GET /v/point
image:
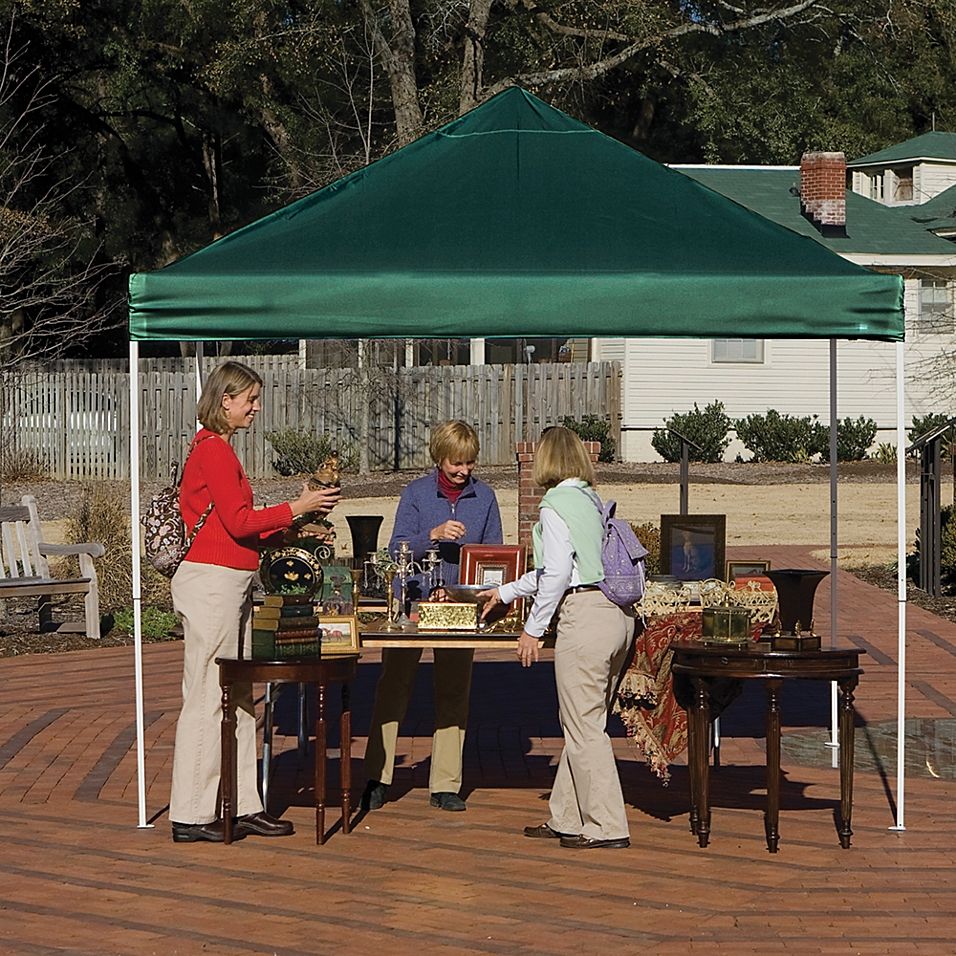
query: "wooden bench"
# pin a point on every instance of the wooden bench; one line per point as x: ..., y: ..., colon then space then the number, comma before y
x: 25, y: 571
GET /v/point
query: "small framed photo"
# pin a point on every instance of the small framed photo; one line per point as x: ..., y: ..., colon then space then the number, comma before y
x: 692, y: 546
x: 746, y: 569
x: 491, y: 564
x: 340, y: 634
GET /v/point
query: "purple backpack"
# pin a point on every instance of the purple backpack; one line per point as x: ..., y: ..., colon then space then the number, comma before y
x: 623, y: 558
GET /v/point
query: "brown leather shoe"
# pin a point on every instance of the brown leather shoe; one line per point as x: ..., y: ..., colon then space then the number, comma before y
x: 262, y: 824
x: 581, y: 842
x: 198, y: 832
x: 544, y: 831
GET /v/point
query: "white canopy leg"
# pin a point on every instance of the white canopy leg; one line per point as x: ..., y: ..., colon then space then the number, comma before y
x: 834, y: 742
x: 900, y: 591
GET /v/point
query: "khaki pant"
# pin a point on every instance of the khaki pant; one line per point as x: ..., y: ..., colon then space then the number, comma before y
x: 452, y: 681
x: 215, y: 608
x: 592, y: 644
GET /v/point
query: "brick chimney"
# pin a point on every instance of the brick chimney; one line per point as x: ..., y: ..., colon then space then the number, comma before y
x: 823, y: 191
x: 529, y: 494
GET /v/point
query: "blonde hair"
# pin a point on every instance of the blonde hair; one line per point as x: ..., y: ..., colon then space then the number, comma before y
x: 456, y: 441
x: 230, y: 378
x: 561, y: 454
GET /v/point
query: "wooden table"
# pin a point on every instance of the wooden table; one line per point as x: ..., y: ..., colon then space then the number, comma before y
x: 320, y: 671
x: 411, y: 636
x: 698, y: 664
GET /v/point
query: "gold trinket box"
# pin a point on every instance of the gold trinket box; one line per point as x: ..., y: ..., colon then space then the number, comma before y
x: 725, y: 625
x: 447, y: 616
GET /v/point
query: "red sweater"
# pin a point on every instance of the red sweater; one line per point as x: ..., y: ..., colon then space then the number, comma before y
x: 232, y: 532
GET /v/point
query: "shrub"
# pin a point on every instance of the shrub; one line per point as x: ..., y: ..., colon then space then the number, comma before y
x: 707, y: 428
x: 593, y: 428
x: 22, y: 464
x: 924, y: 423
x: 155, y: 622
x: 885, y: 453
x: 103, y: 516
x: 854, y: 437
x: 776, y: 437
x: 649, y: 534
x: 299, y: 453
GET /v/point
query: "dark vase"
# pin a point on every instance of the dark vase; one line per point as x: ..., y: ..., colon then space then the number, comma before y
x: 795, y: 590
x: 364, y: 530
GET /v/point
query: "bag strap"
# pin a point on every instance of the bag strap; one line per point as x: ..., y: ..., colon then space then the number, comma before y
x: 197, y: 527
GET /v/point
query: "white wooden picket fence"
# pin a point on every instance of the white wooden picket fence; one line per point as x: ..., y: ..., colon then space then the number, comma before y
x: 77, y: 420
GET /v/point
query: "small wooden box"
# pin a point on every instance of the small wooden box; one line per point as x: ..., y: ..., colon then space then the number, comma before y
x: 447, y: 616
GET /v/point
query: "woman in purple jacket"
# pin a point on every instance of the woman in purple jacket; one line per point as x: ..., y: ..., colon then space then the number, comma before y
x: 444, y: 510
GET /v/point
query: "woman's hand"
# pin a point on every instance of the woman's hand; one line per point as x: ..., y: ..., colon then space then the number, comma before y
x: 321, y: 501
x: 447, y: 531
x: 527, y: 649
x: 491, y: 597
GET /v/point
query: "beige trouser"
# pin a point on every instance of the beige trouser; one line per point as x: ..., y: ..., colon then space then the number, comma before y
x: 452, y: 681
x: 592, y: 644
x: 215, y: 607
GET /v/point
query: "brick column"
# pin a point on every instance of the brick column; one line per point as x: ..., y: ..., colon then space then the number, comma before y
x: 530, y: 494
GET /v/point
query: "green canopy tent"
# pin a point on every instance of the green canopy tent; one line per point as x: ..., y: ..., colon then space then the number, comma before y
x: 513, y: 220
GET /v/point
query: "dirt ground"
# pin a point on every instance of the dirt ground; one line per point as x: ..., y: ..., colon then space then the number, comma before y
x: 764, y: 505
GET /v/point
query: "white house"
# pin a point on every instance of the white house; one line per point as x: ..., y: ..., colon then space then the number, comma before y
x: 883, y: 231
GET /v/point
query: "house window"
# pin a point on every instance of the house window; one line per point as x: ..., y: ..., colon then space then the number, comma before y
x: 737, y: 350
x: 903, y: 190
x: 935, y: 306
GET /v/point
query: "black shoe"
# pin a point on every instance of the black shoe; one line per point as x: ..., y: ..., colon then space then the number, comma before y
x: 374, y: 796
x: 546, y: 832
x: 581, y: 842
x: 198, y: 832
x: 448, y: 801
x: 261, y: 824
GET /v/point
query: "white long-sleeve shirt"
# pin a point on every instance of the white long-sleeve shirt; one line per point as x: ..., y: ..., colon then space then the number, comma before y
x: 548, y: 583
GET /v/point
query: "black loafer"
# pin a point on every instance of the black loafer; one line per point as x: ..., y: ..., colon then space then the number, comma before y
x: 261, y: 824
x: 374, y: 796
x: 198, y: 832
x: 581, y: 842
x: 448, y: 801
x: 545, y: 832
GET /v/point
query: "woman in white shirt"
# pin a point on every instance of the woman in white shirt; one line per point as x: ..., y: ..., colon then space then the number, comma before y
x: 593, y: 638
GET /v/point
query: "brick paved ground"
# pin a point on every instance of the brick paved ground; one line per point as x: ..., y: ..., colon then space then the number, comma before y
x: 78, y: 876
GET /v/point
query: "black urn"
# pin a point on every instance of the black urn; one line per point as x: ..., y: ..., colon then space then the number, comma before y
x: 796, y: 588
x: 364, y: 529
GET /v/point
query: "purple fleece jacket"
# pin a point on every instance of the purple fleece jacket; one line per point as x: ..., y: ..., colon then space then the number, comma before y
x: 422, y: 507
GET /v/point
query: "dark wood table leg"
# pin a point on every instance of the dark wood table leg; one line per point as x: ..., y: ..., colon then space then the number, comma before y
x: 701, y: 787
x: 692, y: 762
x: 345, y: 758
x: 847, y: 686
x: 772, y: 815
x: 227, y: 773
x: 320, y: 755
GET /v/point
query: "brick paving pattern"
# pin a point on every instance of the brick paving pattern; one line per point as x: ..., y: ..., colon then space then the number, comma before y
x: 78, y: 876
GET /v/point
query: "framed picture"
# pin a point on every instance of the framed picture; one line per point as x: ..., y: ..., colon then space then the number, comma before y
x: 340, y: 633
x: 491, y: 564
x: 337, y: 593
x: 692, y: 546
x: 746, y: 569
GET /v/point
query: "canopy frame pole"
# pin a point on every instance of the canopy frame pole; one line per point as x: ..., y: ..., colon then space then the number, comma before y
x: 900, y: 592
x: 834, y: 742
x: 136, y: 536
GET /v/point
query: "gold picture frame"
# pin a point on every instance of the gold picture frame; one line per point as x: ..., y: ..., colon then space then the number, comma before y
x: 745, y: 569
x: 340, y: 634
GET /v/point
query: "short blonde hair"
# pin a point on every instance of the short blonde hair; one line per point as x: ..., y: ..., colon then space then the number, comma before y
x: 230, y: 378
x: 456, y: 441
x: 561, y: 454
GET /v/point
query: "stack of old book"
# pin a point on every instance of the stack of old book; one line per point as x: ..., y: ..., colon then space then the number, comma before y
x: 285, y: 626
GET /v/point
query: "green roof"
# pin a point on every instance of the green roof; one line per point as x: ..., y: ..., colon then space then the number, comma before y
x: 938, y: 146
x: 514, y: 219
x: 871, y: 228
x: 936, y: 213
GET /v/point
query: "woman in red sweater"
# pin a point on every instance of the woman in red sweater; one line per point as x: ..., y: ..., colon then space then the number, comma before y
x: 212, y: 595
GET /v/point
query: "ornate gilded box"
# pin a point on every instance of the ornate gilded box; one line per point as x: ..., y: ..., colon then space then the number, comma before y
x: 725, y: 625
x: 447, y: 616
